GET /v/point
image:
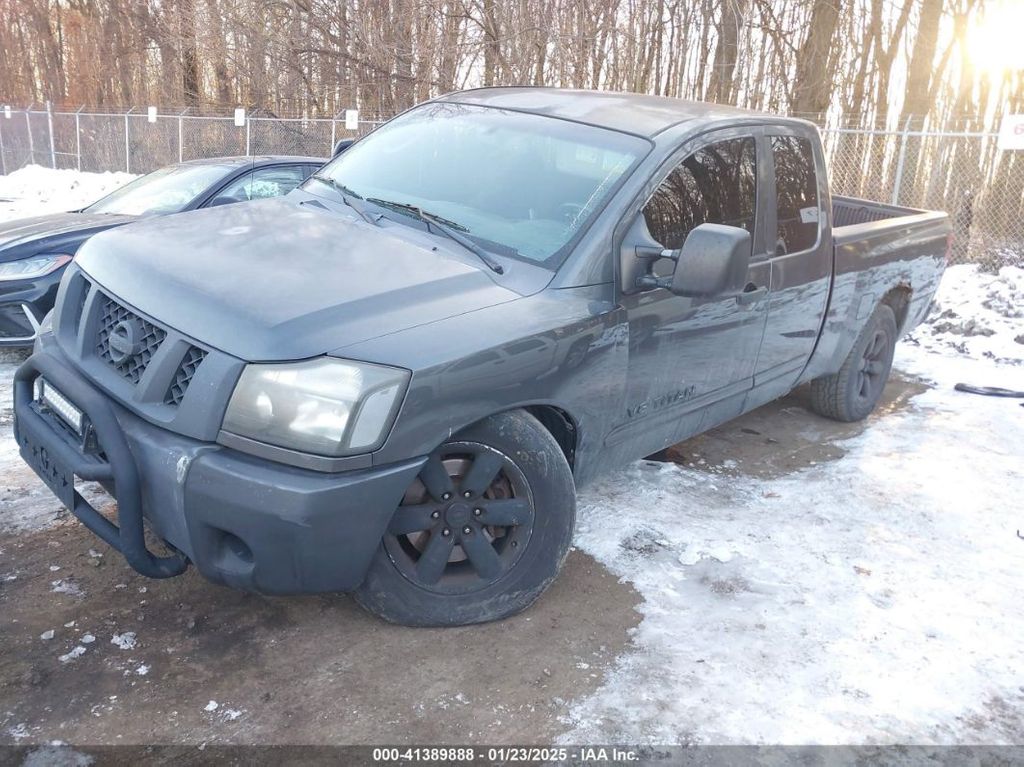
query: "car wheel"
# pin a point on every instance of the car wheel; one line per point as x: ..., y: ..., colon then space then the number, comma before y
x: 852, y: 393
x: 481, y: 532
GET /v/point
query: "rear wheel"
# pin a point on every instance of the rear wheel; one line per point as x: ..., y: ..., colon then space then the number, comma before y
x: 481, y: 532
x: 852, y: 393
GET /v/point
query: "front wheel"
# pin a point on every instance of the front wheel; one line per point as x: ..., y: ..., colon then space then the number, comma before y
x: 481, y: 532
x: 852, y: 393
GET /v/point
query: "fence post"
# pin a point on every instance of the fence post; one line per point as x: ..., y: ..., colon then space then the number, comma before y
x: 334, y: 138
x: 127, y: 150
x: 248, y: 122
x: 31, y: 143
x: 900, y: 162
x: 49, y: 126
x: 78, y: 136
x: 181, y: 120
x: 3, y: 155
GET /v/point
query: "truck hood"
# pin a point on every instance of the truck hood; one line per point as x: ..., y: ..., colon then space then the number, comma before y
x: 26, y: 231
x: 277, y: 280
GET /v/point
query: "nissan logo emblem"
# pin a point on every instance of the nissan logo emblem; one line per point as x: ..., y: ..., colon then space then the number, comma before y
x: 125, y: 340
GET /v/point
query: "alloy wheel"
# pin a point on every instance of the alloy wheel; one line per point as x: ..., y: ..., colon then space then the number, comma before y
x: 464, y: 522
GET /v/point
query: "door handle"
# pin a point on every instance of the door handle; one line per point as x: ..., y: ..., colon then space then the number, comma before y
x: 751, y: 294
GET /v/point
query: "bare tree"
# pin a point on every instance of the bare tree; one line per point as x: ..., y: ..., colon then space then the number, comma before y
x: 815, y: 61
x: 832, y: 59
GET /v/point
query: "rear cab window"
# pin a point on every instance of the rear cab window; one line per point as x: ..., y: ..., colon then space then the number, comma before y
x: 798, y: 209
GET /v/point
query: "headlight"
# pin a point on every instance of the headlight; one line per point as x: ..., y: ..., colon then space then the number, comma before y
x: 31, y: 268
x: 324, y: 406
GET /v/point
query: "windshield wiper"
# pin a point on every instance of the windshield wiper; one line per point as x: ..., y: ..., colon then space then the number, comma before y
x: 448, y: 228
x: 348, y: 197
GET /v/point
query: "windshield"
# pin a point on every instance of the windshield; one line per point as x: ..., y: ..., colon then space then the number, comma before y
x: 167, y: 190
x: 518, y: 184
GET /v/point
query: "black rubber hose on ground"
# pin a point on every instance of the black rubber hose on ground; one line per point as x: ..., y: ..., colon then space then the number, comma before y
x: 990, y: 391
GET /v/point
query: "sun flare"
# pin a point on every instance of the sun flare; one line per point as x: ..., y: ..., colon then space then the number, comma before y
x: 994, y: 39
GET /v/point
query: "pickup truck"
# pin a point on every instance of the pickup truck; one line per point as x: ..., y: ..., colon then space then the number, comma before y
x: 393, y: 380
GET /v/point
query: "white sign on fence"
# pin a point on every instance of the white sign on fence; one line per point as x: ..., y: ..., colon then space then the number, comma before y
x: 351, y: 119
x: 1011, y: 133
x: 240, y: 118
x: 151, y: 114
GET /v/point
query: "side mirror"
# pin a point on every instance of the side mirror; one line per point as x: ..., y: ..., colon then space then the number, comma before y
x: 712, y: 262
x: 342, y: 145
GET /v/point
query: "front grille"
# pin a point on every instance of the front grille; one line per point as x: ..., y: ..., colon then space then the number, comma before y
x: 127, y: 346
x: 183, y: 375
x: 132, y: 367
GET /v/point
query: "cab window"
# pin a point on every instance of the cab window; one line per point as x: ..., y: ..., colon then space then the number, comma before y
x: 796, y: 194
x: 717, y: 184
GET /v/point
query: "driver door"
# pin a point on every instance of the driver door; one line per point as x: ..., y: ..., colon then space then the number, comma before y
x: 692, y: 360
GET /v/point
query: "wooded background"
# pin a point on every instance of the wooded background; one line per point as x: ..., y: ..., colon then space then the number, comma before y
x: 907, y: 92
x: 842, y: 62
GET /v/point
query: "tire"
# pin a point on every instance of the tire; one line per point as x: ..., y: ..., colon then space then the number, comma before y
x: 852, y: 393
x: 441, y: 564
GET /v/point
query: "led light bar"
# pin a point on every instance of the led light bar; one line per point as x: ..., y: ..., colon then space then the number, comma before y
x: 60, y: 405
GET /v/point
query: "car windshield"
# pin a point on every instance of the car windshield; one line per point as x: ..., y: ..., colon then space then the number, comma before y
x: 518, y: 184
x: 167, y: 190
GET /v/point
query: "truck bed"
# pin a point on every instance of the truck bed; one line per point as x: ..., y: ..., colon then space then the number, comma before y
x: 878, y: 249
x: 872, y: 229
x: 849, y: 211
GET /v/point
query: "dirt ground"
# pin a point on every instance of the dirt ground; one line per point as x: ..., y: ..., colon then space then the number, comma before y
x: 185, y: 661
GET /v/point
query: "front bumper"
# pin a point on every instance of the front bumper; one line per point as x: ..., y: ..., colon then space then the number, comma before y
x: 245, y: 522
x: 19, y: 325
x: 23, y: 304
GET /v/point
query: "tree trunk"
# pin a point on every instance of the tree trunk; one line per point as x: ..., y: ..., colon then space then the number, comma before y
x: 491, y: 45
x: 723, y: 71
x: 812, y: 89
x: 190, y: 83
x: 917, y: 101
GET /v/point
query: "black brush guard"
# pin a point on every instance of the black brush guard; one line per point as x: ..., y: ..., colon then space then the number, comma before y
x: 114, y: 464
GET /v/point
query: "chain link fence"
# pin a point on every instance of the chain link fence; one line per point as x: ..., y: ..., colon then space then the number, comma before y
x: 135, y: 143
x: 961, y: 172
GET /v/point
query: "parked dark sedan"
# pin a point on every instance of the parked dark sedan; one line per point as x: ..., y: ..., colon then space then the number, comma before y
x: 35, y: 251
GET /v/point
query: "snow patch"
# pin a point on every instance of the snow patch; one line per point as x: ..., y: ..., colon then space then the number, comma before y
x: 66, y: 586
x: 125, y: 641
x: 56, y: 754
x: 71, y: 655
x: 977, y: 314
x: 870, y: 599
x: 35, y: 190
